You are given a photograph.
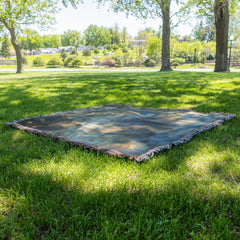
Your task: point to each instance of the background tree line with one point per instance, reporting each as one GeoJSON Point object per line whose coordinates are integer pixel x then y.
{"type": "Point", "coordinates": [196, 48]}
{"type": "Point", "coordinates": [17, 15]}
{"type": "Point", "coordinates": [94, 36]}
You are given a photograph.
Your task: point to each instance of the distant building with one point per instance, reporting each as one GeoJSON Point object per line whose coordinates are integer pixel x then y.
{"type": "Point", "coordinates": [102, 47]}
{"type": "Point", "coordinates": [67, 48]}
{"type": "Point", "coordinates": [137, 43]}
{"type": "Point", "coordinates": [82, 48]}
{"type": "Point", "coordinates": [33, 52]}
{"type": "Point", "coordinates": [48, 50]}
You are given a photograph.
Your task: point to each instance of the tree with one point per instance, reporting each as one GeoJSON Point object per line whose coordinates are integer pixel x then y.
{"type": "Point", "coordinates": [144, 35]}
{"type": "Point", "coordinates": [15, 15]}
{"type": "Point", "coordinates": [221, 10]}
{"type": "Point", "coordinates": [23, 42]}
{"type": "Point", "coordinates": [124, 35]}
{"type": "Point", "coordinates": [51, 41]}
{"type": "Point", "coordinates": [154, 48]}
{"type": "Point", "coordinates": [144, 9]}
{"type": "Point", "coordinates": [115, 35]}
{"type": "Point", "coordinates": [234, 25]}
{"type": "Point", "coordinates": [97, 36]}
{"type": "Point", "coordinates": [165, 9]}
{"type": "Point", "coordinates": [5, 49]}
{"type": "Point", "coordinates": [63, 54]}
{"type": "Point", "coordinates": [205, 32]}
{"type": "Point", "coordinates": [31, 41]}
{"type": "Point", "coordinates": [72, 38]}
{"type": "Point", "coordinates": [186, 38]}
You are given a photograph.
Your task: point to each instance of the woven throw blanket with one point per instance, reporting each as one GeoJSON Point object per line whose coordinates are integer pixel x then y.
{"type": "Point", "coordinates": [125, 131]}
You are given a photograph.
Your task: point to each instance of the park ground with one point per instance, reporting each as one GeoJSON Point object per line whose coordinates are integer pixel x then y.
{"type": "Point", "coordinates": [52, 190]}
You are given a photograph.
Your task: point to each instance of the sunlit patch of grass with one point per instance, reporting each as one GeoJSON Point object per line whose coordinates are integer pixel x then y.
{"type": "Point", "coordinates": [5, 207]}
{"type": "Point", "coordinates": [53, 190]}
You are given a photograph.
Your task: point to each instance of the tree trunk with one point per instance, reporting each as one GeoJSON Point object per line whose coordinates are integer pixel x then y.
{"type": "Point", "coordinates": [17, 48]}
{"type": "Point", "coordinates": [221, 12]}
{"type": "Point", "coordinates": [165, 8]}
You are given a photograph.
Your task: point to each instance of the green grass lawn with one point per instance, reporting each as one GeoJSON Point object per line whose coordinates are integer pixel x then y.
{"type": "Point", "coordinates": [52, 190]}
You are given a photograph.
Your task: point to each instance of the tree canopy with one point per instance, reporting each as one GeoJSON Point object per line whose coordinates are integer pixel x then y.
{"type": "Point", "coordinates": [17, 15]}
{"type": "Point", "coordinates": [22, 13]}
{"type": "Point", "coordinates": [71, 38]}
{"type": "Point", "coordinates": [5, 49]}
{"type": "Point", "coordinates": [234, 25]}
{"type": "Point", "coordinates": [145, 9]}
{"type": "Point", "coordinates": [97, 36]}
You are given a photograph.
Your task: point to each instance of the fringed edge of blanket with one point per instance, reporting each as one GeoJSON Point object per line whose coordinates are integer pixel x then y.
{"type": "Point", "coordinates": [139, 158]}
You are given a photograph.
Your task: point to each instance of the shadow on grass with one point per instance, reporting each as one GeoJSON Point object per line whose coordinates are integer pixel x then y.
{"type": "Point", "coordinates": [49, 209]}
{"type": "Point", "coordinates": [34, 95]}
{"type": "Point", "coordinates": [42, 203]}
{"type": "Point", "coordinates": [108, 198]}
{"type": "Point", "coordinates": [71, 91]}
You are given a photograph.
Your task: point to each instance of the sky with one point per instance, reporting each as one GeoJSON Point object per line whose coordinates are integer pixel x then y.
{"type": "Point", "coordinates": [88, 13]}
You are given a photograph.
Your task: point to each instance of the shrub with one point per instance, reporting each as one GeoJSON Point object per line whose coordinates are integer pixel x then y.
{"type": "Point", "coordinates": [119, 60]}
{"type": "Point", "coordinates": [131, 46]}
{"type": "Point", "coordinates": [63, 54]}
{"type": "Point", "coordinates": [86, 52]}
{"type": "Point", "coordinates": [150, 62]}
{"type": "Point", "coordinates": [178, 60]}
{"type": "Point", "coordinates": [211, 57]}
{"type": "Point", "coordinates": [195, 56]}
{"type": "Point", "coordinates": [126, 59]}
{"type": "Point", "coordinates": [38, 62]}
{"type": "Point", "coordinates": [96, 50]}
{"type": "Point", "coordinates": [154, 48]}
{"type": "Point", "coordinates": [68, 60]}
{"type": "Point", "coordinates": [76, 62]}
{"type": "Point", "coordinates": [236, 54]}
{"type": "Point", "coordinates": [175, 64]}
{"type": "Point", "coordinates": [180, 54]}
{"type": "Point", "coordinates": [73, 61]}
{"type": "Point", "coordinates": [122, 45]}
{"type": "Point", "coordinates": [54, 62]}
{"type": "Point", "coordinates": [24, 60]}
{"type": "Point", "coordinates": [125, 50]}
{"type": "Point", "coordinates": [115, 46]}
{"type": "Point", "coordinates": [109, 61]}
{"type": "Point", "coordinates": [195, 59]}
{"type": "Point", "coordinates": [74, 51]}
{"type": "Point", "coordinates": [138, 62]}
{"type": "Point", "coordinates": [97, 62]}
{"type": "Point", "coordinates": [105, 52]}
{"type": "Point", "coordinates": [203, 59]}
{"type": "Point", "coordinates": [118, 52]}
{"type": "Point", "coordinates": [130, 63]}
{"type": "Point", "coordinates": [109, 48]}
